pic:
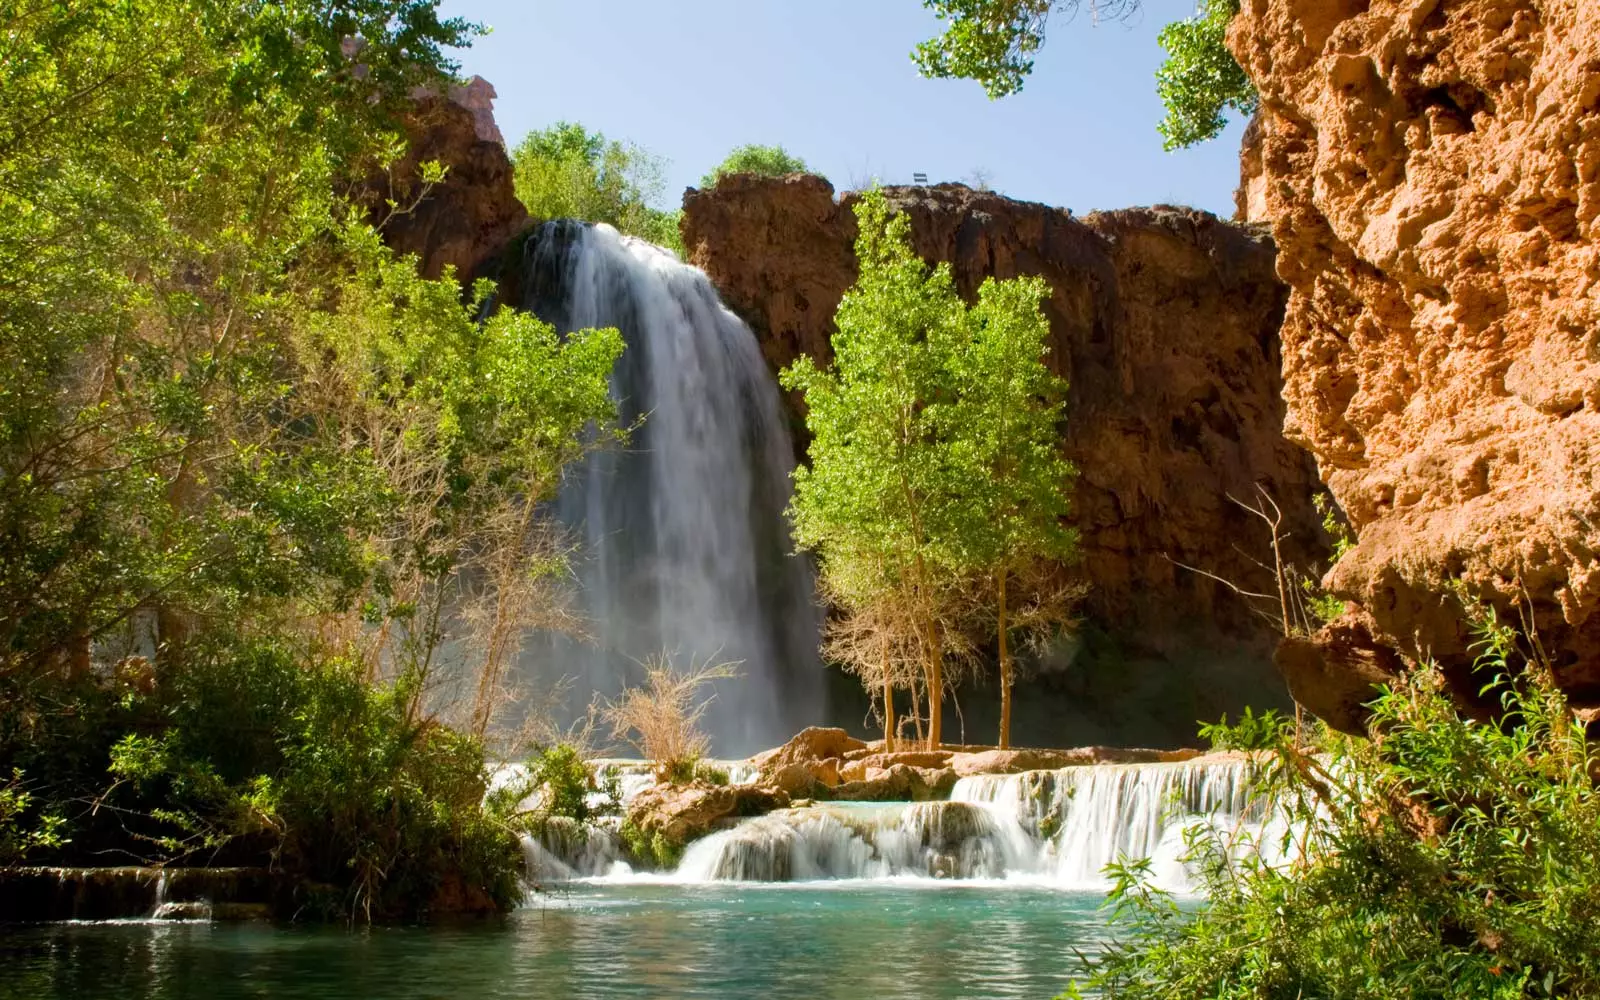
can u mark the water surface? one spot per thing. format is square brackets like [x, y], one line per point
[775, 942]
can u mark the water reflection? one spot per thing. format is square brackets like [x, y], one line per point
[657, 942]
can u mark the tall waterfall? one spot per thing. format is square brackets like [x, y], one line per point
[1057, 828]
[685, 547]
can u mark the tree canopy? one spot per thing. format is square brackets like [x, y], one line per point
[934, 455]
[994, 42]
[566, 171]
[264, 491]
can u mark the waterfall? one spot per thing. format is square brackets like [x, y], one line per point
[685, 547]
[1056, 828]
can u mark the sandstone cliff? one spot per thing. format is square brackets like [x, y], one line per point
[1431, 169]
[1165, 323]
[470, 217]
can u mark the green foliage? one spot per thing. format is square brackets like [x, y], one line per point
[711, 774]
[249, 459]
[1450, 858]
[994, 42]
[764, 161]
[567, 172]
[876, 498]
[684, 770]
[1200, 79]
[991, 41]
[261, 749]
[1006, 418]
[935, 438]
[1334, 525]
[1266, 731]
[566, 778]
[20, 833]
[651, 850]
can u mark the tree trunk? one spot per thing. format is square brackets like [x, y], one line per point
[935, 686]
[888, 701]
[1005, 669]
[916, 711]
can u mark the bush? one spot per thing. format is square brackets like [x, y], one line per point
[656, 850]
[661, 718]
[259, 756]
[764, 161]
[1447, 858]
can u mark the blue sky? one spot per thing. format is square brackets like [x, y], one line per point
[831, 80]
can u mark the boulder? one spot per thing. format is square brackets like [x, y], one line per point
[1334, 673]
[681, 813]
[810, 745]
[898, 783]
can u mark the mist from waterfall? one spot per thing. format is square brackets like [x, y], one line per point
[684, 546]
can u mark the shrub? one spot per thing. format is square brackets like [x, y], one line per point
[650, 850]
[764, 161]
[368, 812]
[1447, 858]
[662, 717]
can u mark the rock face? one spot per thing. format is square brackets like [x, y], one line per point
[473, 214]
[1164, 321]
[1431, 169]
[682, 813]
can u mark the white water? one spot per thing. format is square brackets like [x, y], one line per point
[1056, 828]
[684, 545]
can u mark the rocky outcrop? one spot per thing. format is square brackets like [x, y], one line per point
[680, 813]
[1164, 321]
[470, 217]
[1431, 169]
[820, 763]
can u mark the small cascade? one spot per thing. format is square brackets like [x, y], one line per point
[567, 850]
[840, 841]
[1056, 828]
[1084, 818]
[165, 909]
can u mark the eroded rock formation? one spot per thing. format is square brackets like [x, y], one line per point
[470, 217]
[1164, 321]
[1431, 169]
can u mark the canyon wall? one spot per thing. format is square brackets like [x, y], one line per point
[468, 219]
[1431, 170]
[1165, 323]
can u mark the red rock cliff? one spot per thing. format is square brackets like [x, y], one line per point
[1431, 169]
[473, 214]
[1163, 320]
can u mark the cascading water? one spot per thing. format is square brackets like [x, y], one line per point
[1057, 828]
[686, 550]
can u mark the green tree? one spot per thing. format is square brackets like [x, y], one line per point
[935, 458]
[764, 161]
[1007, 424]
[253, 469]
[876, 502]
[566, 171]
[994, 42]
